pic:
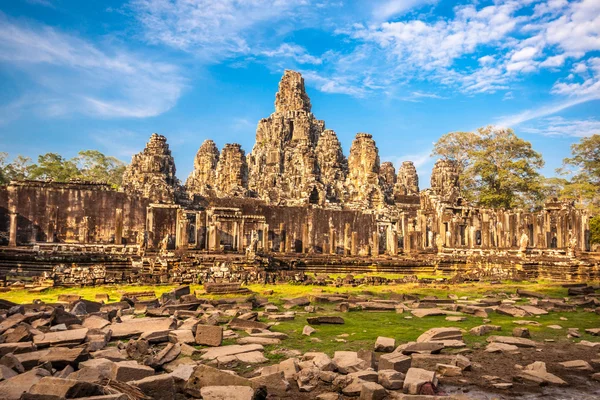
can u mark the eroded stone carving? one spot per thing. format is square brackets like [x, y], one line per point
[232, 172]
[203, 178]
[407, 183]
[333, 165]
[363, 172]
[152, 172]
[387, 177]
[444, 180]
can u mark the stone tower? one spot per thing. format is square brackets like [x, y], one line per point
[151, 173]
[283, 164]
[444, 180]
[333, 166]
[232, 172]
[387, 179]
[203, 178]
[408, 180]
[363, 185]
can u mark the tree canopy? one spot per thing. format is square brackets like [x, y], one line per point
[88, 165]
[497, 168]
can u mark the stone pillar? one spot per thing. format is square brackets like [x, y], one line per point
[12, 238]
[282, 237]
[375, 250]
[347, 239]
[84, 232]
[393, 243]
[150, 226]
[199, 227]
[332, 244]
[52, 225]
[214, 237]
[354, 244]
[181, 231]
[235, 236]
[407, 240]
[265, 243]
[118, 226]
[305, 237]
[241, 244]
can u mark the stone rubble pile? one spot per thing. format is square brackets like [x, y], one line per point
[142, 347]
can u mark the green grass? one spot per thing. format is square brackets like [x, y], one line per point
[363, 328]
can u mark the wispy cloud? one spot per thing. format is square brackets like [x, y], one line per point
[385, 9]
[559, 126]
[83, 78]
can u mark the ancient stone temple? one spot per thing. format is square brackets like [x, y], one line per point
[151, 173]
[294, 194]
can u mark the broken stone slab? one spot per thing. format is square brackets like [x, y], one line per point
[21, 347]
[95, 322]
[519, 342]
[11, 322]
[385, 344]
[521, 332]
[348, 362]
[227, 392]
[297, 302]
[270, 335]
[484, 329]
[325, 320]
[430, 361]
[205, 376]
[537, 373]
[529, 293]
[209, 335]
[13, 388]
[396, 361]
[69, 337]
[125, 371]
[448, 370]
[501, 348]
[427, 312]
[533, 310]
[308, 330]
[258, 340]
[65, 388]
[241, 325]
[416, 377]
[60, 357]
[157, 386]
[593, 331]
[21, 333]
[274, 382]
[288, 367]
[420, 348]
[216, 352]
[390, 379]
[182, 336]
[577, 365]
[12, 362]
[166, 355]
[138, 326]
[112, 354]
[377, 306]
[506, 309]
[440, 334]
[526, 322]
[372, 391]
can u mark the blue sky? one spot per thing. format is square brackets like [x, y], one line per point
[104, 75]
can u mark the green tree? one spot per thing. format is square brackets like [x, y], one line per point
[54, 167]
[595, 230]
[582, 172]
[3, 178]
[497, 168]
[96, 167]
[18, 169]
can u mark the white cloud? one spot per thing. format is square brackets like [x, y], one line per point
[386, 9]
[81, 77]
[559, 126]
[213, 30]
[297, 53]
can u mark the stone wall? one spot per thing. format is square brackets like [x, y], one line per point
[72, 212]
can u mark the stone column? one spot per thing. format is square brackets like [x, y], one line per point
[265, 243]
[282, 237]
[375, 250]
[354, 244]
[241, 236]
[393, 243]
[214, 237]
[199, 227]
[51, 226]
[12, 238]
[85, 230]
[150, 226]
[118, 226]
[305, 237]
[181, 231]
[235, 236]
[347, 239]
[332, 245]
